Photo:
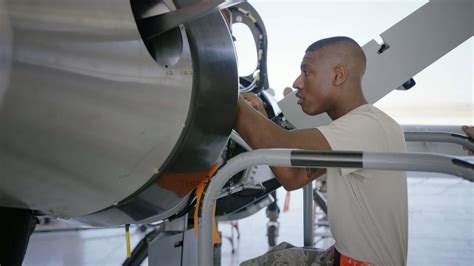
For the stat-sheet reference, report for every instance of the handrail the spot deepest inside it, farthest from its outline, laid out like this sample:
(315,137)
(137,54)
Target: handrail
(424,162)
(445,137)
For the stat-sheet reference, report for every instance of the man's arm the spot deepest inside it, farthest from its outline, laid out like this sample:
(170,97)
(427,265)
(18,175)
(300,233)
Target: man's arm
(260,133)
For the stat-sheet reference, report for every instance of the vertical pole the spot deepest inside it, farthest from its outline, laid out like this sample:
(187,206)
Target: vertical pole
(308,218)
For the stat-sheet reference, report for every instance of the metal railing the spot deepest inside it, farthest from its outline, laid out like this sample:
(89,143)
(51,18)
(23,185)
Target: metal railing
(308,158)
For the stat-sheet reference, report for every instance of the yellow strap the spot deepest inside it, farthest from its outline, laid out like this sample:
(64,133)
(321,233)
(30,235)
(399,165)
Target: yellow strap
(199,190)
(127,240)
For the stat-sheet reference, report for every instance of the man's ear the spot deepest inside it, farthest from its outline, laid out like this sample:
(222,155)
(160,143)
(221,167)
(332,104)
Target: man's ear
(339,75)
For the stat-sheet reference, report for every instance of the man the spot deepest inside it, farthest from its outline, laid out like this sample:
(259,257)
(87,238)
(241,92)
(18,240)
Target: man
(368,210)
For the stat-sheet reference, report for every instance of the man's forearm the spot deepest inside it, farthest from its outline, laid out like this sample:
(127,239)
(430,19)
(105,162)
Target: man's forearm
(260,133)
(295,178)
(257,130)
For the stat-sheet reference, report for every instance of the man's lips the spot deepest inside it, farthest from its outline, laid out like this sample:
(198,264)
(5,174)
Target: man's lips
(300,99)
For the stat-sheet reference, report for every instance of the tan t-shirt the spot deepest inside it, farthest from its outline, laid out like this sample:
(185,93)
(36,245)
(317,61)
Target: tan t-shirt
(368,209)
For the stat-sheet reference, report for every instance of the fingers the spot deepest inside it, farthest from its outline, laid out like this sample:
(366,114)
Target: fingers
(469,152)
(253,100)
(469,131)
(255,103)
(248,95)
(287,91)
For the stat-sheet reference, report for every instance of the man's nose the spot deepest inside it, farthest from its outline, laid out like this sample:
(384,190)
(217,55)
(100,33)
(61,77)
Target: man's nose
(298,84)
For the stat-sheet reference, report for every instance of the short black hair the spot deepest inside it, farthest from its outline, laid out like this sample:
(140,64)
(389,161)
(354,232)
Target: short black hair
(330,41)
(356,50)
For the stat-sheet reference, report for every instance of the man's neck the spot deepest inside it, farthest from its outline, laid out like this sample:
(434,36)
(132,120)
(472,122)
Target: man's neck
(347,104)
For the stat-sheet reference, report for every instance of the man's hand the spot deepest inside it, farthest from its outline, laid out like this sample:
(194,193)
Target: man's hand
(255,102)
(470,133)
(287,91)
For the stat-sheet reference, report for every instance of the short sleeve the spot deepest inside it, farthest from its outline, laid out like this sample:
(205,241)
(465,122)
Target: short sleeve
(353,133)
(330,133)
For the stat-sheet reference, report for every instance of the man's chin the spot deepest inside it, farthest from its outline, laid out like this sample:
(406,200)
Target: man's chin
(310,112)
(304,110)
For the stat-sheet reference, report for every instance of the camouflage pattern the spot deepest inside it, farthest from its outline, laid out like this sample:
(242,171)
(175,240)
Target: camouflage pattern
(287,254)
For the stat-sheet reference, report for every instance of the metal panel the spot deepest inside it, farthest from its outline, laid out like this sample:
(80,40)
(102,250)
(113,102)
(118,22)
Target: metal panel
(89,120)
(166,250)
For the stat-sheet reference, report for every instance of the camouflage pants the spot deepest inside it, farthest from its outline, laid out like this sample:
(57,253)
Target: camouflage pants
(287,254)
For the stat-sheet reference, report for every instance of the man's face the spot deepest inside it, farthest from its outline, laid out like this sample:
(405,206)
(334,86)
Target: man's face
(314,84)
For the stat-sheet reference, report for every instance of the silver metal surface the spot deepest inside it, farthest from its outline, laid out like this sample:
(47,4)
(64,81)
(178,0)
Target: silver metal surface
(435,147)
(89,121)
(445,137)
(239,140)
(5,49)
(423,162)
(159,24)
(247,211)
(308,215)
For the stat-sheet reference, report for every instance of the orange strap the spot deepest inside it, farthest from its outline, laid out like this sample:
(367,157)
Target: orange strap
(348,261)
(199,190)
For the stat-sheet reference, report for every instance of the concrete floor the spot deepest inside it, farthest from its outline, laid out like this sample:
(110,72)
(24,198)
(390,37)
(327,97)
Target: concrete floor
(441,230)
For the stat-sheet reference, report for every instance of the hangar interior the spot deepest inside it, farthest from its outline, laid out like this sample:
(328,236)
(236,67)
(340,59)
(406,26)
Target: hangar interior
(116,132)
